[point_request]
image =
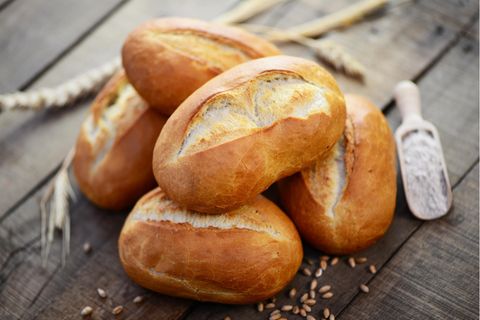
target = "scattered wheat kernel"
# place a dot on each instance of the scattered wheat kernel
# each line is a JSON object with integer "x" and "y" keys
{"x": 324, "y": 288}
{"x": 101, "y": 293}
{"x": 274, "y": 312}
{"x": 307, "y": 272}
{"x": 318, "y": 273}
{"x": 273, "y": 300}
{"x": 313, "y": 284}
{"x": 227, "y": 318}
{"x": 327, "y": 295}
{"x": 275, "y": 316}
{"x": 306, "y": 307}
{"x": 309, "y": 261}
{"x": 332, "y": 317}
{"x": 351, "y": 262}
{"x": 303, "y": 313}
{"x": 295, "y": 310}
{"x": 323, "y": 265}
{"x": 304, "y": 297}
{"x": 87, "y": 247}
{"x": 260, "y": 307}
{"x": 310, "y": 302}
{"x": 270, "y": 305}
{"x": 372, "y": 269}
{"x": 324, "y": 258}
{"x": 312, "y": 294}
{"x": 334, "y": 261}
{"x": 287, "y": 307}
{"x": 310, "y": 317}
{"x": 283, "y": 318}
{"x": 86, "y": 311}
{"x": 364, "y": 288}
{"x": 117, "y": 310}
{"x": 292, "y": 293}
{"x": 326, "y": 313}
{"x": 361, "y": 260}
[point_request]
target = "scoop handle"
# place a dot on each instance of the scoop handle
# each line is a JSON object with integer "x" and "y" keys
{"x": 407, "y": 97}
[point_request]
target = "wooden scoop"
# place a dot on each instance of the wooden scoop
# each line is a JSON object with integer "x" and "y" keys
{"x": 424, "y": 173}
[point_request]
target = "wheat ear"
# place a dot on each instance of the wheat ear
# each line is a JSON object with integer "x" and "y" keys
{"x": 57, "y": 196}
{"x": 326, "y": 50}
{"x": 64, "y": 94}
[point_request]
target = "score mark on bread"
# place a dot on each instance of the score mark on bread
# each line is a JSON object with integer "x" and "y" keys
{"x": 162, "y": 209}
{"x": 205, "y": 48}
{"x": 101, "y": 128}
{"x": 251, "y": 106}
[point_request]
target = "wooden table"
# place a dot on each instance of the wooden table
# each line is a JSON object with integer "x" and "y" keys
{"x": 426, "y": 270}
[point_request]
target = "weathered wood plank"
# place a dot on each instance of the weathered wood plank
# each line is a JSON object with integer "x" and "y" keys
{"x": 439, "y": 94}
{"x": 34, "y": 33}
{"x": 435, "y": 274}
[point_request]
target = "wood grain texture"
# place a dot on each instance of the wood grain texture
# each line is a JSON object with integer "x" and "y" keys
{"x": 435, "y": 274}
{"x": 34, "y": 33}
{"x": 439, "y": 94}
{"x": 33, "y": 144}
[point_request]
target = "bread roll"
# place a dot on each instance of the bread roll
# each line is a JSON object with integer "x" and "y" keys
{"x": 245, "y": 129}
{"x": 114, "y": 149}
{"x": 167, "y": 59}
{"x": 242, "y": 256}
{"x": 346, "y": 200}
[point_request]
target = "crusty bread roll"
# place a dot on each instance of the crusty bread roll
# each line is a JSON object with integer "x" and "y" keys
{"x": 242, "y": 256}
{"x": 167, "y": 59}
{"x": 114, "y": 149}
{"x": 346, "y": 200}
{"x": 245, "y": 129}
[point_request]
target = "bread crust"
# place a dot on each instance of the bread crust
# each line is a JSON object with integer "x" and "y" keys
{"x": 167, "y": 59}
{"x": 237, "y": 258}
{"x": 365, "y": 207}
{"x": 112, "y": 162}
{"x": 224, "y": 176}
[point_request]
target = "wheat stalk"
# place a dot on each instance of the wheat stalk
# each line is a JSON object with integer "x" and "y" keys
{"x": 62, "y": 95}
{"x": 334, "y": 55}
{"x": 245, "y": 10}
{"x": 338, "y": 19}
{"x": 57, "y": 196}
{"x": 326, "y": 50}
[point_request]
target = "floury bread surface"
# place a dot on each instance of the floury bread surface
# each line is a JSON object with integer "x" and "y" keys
{"x": 167, "y": 59}
{"x": 113, "y": 155}
{"x": 346, "y": 200}
{"x": 239, "y": 257}
{"x": 245, "y": 129}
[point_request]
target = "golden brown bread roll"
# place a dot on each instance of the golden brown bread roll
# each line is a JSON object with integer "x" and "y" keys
{"x": 346, "y": 200}
{"x": 167, "y": 59}
{"x": 245, "y": 129}
{"x": 242, "y": 256}
{"x": 114, "y": 149}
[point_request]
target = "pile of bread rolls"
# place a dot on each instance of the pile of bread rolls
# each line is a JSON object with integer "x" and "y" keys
{"x": 223, "y": 116}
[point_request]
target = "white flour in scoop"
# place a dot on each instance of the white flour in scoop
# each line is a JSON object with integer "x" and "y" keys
{"x": 424, "y": 172}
